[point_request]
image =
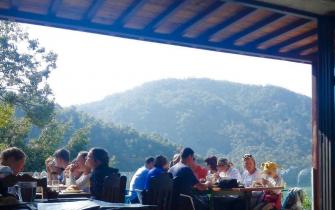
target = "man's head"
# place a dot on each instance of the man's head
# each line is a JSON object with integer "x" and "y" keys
{"x": 62, "y": 158}
{"x": 97, "y": 157}
{"x": 161, "y": 162}
{"x": 149, "y": 163}
{"x": 187, "y": 156}
{"x": 14, "y": 158}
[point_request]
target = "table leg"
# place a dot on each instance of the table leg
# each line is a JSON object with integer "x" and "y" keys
{"x": 248, "y": 196}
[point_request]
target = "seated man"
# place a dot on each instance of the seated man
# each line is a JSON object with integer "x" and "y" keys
{"x": 161, "y": 166}
{"x": 97, "y": 160}
{"x": 11, "y": 162}
{"x": 186, "y": 180}
{"x": 138, "y": 180}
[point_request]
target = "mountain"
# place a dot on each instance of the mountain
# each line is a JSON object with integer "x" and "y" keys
{"x": 217, "y": 117}
{"x": 127, "y": 147}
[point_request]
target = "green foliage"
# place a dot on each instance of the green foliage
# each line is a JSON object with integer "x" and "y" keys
{"x": 49, "y": 140}
{"x": 217, "y": 117}
{"x": 24, "y": 69}
{"x": 78, "y": 142}
{"x": 307, "y": 202}
{"x": 6, "y": 112}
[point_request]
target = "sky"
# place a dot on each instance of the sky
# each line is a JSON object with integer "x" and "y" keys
{"x": 91, "y": 66}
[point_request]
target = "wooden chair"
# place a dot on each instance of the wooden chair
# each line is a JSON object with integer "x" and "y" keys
{"x": 114, "y": 188}
{"x": 160, "y": 192}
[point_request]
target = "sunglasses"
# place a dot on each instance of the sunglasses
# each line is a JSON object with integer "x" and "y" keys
{"x": 247, "y": 156}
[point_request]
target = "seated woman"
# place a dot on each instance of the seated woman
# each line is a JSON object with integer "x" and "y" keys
{"x": 79, "y": 173}
{"x": 272, "y": 198}
{"x": 97, "y": 160}
{"x": 161, "y": 165}
{"x": 225, "y": 169}
{"x": 211, "y": 163}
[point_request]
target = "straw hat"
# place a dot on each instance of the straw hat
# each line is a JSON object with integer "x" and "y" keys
{"x": 269, "y": 166}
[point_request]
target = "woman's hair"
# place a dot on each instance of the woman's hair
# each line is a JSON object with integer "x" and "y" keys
{"x": 101, "y": 155}
{"x": 83, "y": 154}
{"x": 160, "y": 161}
{"x": 212, "y": 162}
{"x": 12, "y": 152}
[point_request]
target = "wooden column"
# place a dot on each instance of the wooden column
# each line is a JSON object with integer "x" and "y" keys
{"x": 323, "y": 118}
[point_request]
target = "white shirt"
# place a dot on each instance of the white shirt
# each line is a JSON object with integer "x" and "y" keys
{"x": 275, "y": 182}
{"x": 83, "y": 182}
{"x": 247, "y": 179}
{"x": 232, "y": 173}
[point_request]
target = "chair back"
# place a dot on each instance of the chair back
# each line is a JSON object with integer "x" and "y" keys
{"x": 114, "y": 188}
{"x": 160, "y": 192}
{"x": 181, "y": 201}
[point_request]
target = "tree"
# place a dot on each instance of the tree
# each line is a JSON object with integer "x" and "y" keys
{"x": 78, "y": 142}
{"x": 24, "y": 69}
{"x": 40, "y": 149}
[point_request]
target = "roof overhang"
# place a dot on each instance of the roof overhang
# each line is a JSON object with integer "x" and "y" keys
{"x": 273, "y": 29}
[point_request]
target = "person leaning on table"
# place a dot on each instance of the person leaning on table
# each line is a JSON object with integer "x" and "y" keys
{"x": 12, "y": 161}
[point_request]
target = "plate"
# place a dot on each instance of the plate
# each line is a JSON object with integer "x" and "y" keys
{"x": 71, "y": 191}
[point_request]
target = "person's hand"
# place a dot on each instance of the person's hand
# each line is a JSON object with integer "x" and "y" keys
{"x": 265, "y": 182}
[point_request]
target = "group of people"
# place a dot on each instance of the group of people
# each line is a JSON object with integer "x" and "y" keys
{"x": 191, "y": 176}
{"x": 88, "y": 170}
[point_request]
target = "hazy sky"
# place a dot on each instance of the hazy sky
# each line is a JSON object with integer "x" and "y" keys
{"x": 92, "y": 66}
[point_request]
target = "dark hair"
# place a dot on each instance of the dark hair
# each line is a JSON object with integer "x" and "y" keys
{"x": 160, "y": 161}
{"x": 83, "y": 154}
{"x": 149, "y": 160}
{"x": 101, "y": 155}
{"x": 63, "y": 154}
{"x": 212, "y": 162}
{"x": 186, "y": 152}
{"x": 12, "y": 152}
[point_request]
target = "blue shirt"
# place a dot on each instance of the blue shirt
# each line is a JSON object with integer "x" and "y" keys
{"x": 184, "y": 177}
{"x": 138, "y": 182}
{"x": 153, "y": 173}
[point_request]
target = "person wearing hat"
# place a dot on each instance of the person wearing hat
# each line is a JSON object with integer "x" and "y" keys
{"x": 225, "y": 169}
{"x": 271, "y": 198}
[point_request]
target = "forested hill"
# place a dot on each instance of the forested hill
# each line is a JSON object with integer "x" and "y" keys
{"x": 127, "y": 147}
{"x": 217, "y": 117}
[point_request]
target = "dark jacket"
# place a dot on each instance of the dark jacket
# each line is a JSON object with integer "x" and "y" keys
{"x": 97, "y": 179}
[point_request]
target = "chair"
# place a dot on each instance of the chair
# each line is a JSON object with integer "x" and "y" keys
{"x": 114, "y": 188}
{"x": 181, "y": 201}
{"x": 159, "y": 193}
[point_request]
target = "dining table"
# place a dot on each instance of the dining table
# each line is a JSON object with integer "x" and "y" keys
{"x": 244, "y": 193}
{"x": 75, "y": 204}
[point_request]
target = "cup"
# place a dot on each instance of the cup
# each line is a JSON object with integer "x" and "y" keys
{"x": 26, "y": 191}
{"x": 55, "y": 185}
